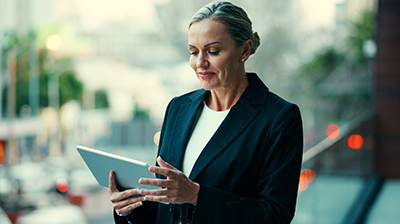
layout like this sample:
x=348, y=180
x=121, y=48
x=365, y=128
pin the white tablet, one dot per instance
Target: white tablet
x=127, y=171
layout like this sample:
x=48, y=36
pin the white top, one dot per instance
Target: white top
x=207, y=124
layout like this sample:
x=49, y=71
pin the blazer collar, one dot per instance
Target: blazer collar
x=256, y=92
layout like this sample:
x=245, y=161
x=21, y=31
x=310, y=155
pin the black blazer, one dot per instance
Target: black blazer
x=249, y=170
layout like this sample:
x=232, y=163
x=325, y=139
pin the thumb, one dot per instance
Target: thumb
x=164, y=164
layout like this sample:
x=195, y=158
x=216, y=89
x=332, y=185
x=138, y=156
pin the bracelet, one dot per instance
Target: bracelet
x=123, y=214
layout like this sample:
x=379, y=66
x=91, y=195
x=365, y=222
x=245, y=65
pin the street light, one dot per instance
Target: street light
x=54, y=42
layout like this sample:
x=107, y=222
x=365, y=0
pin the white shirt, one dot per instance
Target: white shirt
x=207, y=124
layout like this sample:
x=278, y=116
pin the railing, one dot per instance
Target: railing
x=334, y=173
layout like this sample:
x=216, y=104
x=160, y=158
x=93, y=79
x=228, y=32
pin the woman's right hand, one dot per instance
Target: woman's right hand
x=122, y=202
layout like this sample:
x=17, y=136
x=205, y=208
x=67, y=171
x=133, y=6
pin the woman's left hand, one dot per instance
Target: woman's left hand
x=177, y=188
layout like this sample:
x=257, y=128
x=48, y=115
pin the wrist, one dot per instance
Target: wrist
x=196, y=195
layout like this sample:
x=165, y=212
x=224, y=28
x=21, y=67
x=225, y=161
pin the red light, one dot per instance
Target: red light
x=332, y=131
x=77, y=199
x=306, y=177
x=62, y=185
x=355, y=141
x=2, y=152
x=303, y=184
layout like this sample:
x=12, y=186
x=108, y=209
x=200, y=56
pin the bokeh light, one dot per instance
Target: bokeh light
x=62, y=185
x=306, y=177
x=355, y=141
x=2, y=153
x=54, y=42
x=157, y=138
x=332, y=131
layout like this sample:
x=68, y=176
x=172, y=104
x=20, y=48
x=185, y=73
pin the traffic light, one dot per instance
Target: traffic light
x=2, y=151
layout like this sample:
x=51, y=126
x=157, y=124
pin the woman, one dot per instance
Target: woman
x=229, y=152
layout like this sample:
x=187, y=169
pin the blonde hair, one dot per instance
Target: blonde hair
x=235, y=19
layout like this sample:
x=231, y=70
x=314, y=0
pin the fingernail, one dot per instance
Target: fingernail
x=138, y=191
x=140, y=181
x=151, y=169
x=143, y=198
x=140, y=203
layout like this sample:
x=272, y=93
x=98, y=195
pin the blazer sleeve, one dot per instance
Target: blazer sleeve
x=277, y=184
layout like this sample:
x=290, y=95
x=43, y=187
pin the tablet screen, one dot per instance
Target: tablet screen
x=127, y=171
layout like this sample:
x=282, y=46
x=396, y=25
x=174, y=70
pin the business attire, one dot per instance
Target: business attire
x=248, y=171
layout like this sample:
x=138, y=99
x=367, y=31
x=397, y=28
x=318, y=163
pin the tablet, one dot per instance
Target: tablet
x=127, y=171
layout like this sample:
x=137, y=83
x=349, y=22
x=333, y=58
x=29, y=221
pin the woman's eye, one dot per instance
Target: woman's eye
x=213, y=52
x=193, y=53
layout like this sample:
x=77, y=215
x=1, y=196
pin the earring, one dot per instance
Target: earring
x=242, y=59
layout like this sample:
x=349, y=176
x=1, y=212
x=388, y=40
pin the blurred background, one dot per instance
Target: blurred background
x=100, y=74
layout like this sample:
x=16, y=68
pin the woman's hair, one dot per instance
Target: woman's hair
x=235, y=20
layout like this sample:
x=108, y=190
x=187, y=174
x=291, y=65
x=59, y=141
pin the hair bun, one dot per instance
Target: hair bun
x=256, y=42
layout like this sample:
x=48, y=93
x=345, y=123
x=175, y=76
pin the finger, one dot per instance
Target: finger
x=160, y=199
x=164, y=164
x=112, y=185
x=157, y=182
x=129, y=201
x=121, y=196
x=161, y=192
x=171, y=173
x=128, y=205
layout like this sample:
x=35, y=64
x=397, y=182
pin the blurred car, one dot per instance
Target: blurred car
x=31, y=177
x=58, y=214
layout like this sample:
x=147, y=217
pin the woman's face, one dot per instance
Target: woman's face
x=214, y=55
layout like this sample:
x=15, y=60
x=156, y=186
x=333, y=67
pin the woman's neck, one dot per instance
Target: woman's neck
x=225, y=98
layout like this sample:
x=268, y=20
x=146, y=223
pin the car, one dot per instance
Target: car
x=57, y=214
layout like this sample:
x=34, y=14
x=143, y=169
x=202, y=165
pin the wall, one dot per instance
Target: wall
x=387, y=90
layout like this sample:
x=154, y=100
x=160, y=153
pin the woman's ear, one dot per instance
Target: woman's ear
x=247, y=49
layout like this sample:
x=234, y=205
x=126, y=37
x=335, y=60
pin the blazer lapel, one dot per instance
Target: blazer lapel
x=236, y=121
x=183, y=128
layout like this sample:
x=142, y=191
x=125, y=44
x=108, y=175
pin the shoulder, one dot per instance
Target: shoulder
x=188, y=97
x=281, y=108
x=277, y=103
x=185, y=99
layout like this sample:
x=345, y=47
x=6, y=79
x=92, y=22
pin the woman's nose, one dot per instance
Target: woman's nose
x=201, y=61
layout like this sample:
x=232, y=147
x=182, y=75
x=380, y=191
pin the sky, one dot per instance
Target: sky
x=317, y=13
x=96, y=11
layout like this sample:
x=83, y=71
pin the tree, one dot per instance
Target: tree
x=69, y=86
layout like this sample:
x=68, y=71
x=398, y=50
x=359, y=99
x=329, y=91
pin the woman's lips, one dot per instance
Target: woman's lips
x=206, y=75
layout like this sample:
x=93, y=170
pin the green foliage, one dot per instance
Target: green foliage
x=101, y=99
x=322, y=65
x=360, y=31
x=69, y=86
x=140, y=112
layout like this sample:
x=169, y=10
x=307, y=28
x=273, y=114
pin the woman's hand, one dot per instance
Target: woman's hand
x=177, y=188
x=122, y=202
